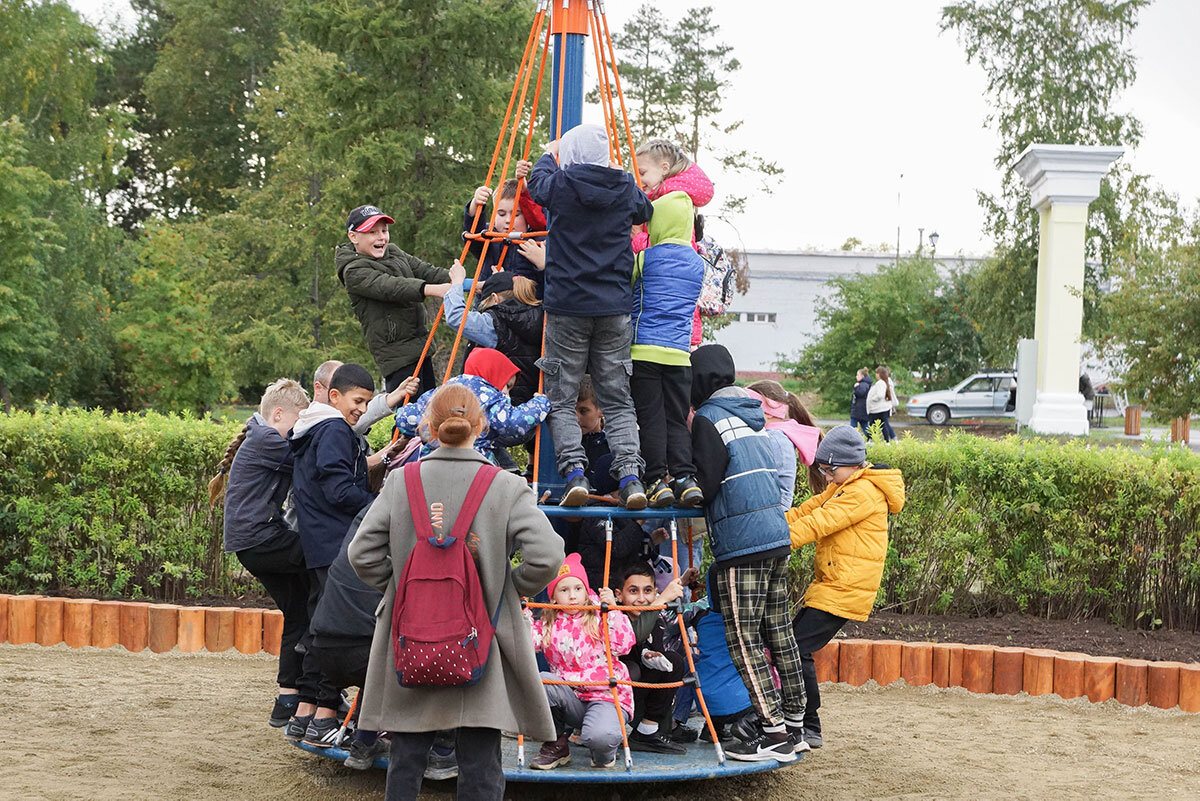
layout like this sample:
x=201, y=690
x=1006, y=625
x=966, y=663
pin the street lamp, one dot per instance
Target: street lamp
x=933, y=238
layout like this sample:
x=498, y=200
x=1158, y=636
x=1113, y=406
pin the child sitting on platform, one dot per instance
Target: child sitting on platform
x=573, y=645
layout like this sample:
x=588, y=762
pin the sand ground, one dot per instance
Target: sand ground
x=113, y=725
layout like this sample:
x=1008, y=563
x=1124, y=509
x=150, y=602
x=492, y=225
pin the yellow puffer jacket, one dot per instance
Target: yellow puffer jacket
x=849, y=524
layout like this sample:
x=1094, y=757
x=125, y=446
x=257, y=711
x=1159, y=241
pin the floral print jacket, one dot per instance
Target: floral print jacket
x=574, y=656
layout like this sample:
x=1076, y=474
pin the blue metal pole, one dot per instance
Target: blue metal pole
x=569, y=46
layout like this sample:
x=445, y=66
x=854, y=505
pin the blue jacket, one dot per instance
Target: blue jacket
x=666, y=285
x=589, y=258
x=259, y=481
x=858, y=406
x=744, y=517
x=330, y=481
x=507, y=424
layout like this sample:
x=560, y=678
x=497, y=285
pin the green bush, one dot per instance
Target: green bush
x=1029, y=525
x=112, y=505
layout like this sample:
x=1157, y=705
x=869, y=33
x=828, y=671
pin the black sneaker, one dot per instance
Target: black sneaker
x=659, y=495
x=688, y=494
x=657, y=743
x=683, y=734
x=575, y=493
x=362, y=757
x=633, y=494
x=282, y=712
x=440, y=767
x=296, y=727
x=802, y=742
x=763, y=746
x=322, y=732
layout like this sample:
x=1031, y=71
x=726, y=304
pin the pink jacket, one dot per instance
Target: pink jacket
x=574, y=656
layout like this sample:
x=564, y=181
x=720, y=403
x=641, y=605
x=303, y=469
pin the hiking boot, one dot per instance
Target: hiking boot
x=763, y=746
x=575, y=493
x=322, y=732
x=633, y=494
x=683, y=734
x=554, y=753
x=362, y=756
x=688, y=494
x=283, y=710
x=660, y=495
x=441, y=764
x=296, y=727
x=657, y=743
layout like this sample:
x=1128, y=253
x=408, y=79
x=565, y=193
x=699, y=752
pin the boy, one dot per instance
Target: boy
x=387, y=288
x=589, y=269
x=525, y=257
x=849, y=524
x=331, y=488
x=650, y=660
x=260, y=477
x=749, y=539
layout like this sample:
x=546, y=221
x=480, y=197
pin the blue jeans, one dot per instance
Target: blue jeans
x=600, y=346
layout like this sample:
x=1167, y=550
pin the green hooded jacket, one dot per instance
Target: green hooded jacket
x=388, y=296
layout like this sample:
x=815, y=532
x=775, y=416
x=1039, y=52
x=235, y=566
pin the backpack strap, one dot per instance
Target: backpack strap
x=476, y=492
x=416, y=502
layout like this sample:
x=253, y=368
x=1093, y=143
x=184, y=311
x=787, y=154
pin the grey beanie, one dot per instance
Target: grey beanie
x=843, y=446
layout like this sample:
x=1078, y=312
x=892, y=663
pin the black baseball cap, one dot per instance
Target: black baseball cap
x=497, y=282
x=363, y=219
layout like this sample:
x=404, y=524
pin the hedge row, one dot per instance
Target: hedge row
x=117, y=505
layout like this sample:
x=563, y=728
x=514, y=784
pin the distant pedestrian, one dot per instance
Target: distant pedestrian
x=858, y=402
x=880, y=402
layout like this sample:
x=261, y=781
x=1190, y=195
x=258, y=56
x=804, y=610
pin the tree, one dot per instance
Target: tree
x=645, y=75
x=1054, y=70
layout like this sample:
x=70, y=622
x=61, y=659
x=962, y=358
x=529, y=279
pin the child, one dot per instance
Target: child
x=259, y=480
x=748, y=536
x=387, y=288
x=509, y=319
x=881, y=400
x=849, y=524
x=650, y=660
x=858, y=400
x=331, y=488
x=574, y=648
x=793, y=433
x=666, y=285
x=525, y=257
x=589, y=269
x=489, y=374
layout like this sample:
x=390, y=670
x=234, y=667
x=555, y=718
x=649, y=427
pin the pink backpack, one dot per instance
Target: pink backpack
x=441, y=631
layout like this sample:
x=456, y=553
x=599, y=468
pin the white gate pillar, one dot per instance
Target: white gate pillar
x=1062, y=181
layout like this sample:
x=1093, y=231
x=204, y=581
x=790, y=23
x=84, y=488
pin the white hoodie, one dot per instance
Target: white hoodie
x=315, y=413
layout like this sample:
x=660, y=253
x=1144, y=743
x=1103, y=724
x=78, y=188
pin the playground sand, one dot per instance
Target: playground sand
x=108, y=724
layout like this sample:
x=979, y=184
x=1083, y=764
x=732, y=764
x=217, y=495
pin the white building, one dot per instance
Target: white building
x=777, y=315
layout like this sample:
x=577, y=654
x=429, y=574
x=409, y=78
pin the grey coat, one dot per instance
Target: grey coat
x=510, y=694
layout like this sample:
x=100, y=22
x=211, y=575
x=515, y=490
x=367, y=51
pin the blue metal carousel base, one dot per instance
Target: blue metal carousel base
x=700, y=762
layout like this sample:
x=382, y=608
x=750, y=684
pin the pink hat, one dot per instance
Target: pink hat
x=572, y=567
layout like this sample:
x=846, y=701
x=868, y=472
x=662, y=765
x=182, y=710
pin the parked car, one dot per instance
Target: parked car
x=985, y=394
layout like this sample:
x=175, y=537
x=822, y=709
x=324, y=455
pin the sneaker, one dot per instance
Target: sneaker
x=633, y=494
x=575, y=493
x=657, y=743
x=608, y=764
x=322, y=732
x=441, y=766
x=554, y=753
x=660, y=495
x=688, y=494
x=797, y=735
x=362, y=756
x=763, y=746
x=283, y=710
x=683, y=734
x=296, y=727
x=812, y=739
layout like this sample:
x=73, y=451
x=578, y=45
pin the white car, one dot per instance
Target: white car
x=984, y=394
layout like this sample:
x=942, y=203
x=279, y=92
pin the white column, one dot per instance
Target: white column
x=1062, y=181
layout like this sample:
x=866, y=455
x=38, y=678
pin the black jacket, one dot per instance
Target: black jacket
x=331, y=486
x=514, y=262
x=519, y=337
x=858, y=406
x=345, y=615
x=259, y=481
x=589, y=259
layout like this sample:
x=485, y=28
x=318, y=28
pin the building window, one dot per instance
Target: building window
x=757, y=317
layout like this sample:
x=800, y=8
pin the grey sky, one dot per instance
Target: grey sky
x=847, y=96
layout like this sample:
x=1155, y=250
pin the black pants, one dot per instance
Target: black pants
x=662, y=397
x=480, y=776
x=279, y=565
x=393, y=379
x=814, y=628
x=328, y=694
x=655, y=705
x=343, y=665
x=883, y=418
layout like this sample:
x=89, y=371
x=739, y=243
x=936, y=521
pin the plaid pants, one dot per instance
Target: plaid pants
x=754, y=601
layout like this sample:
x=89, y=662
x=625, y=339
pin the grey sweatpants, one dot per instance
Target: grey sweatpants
x=596, y=721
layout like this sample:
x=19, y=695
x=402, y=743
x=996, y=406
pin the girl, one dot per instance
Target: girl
x=793, y=433
x=880, y=402
x=666, y=285
x=574, y=648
